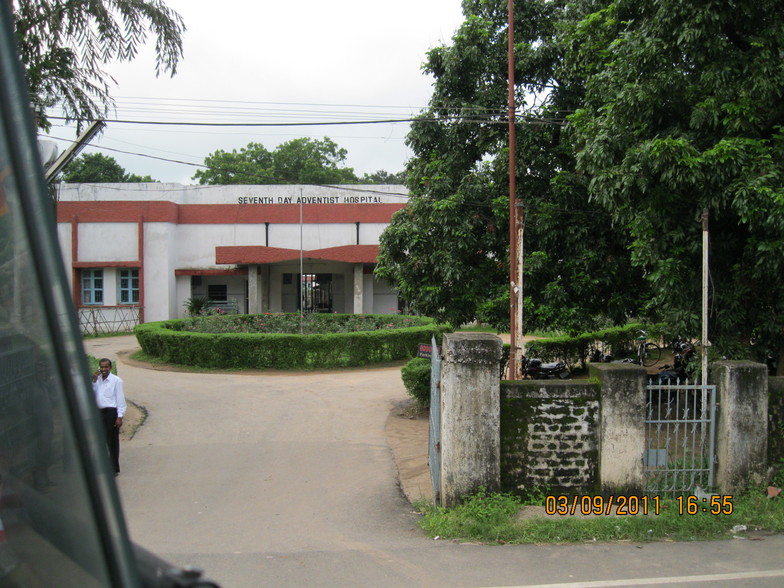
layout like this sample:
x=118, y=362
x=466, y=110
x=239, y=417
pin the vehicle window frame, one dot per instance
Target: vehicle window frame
x=36, y=213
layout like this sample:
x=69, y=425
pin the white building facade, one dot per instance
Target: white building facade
x=138, y=252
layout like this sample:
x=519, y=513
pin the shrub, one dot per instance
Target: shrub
x=416, y=379
x=574, y=350
x=228, y=344
x=196, y=305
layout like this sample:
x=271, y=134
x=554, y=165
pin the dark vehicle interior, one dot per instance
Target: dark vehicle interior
x=61, y=523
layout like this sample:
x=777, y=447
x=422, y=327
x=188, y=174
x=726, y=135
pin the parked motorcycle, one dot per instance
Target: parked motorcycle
x=536, y=370
x=598, y=356
x=683, y=353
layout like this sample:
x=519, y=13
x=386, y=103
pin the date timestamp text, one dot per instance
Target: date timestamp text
x=601, y=505
x=717, y=504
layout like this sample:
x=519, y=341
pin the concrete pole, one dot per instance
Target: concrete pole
x=470, y=415
x=358, y=279
x=254, y=292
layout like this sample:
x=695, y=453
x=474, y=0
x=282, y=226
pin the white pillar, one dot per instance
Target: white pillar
x=358, y=287
x=254, y=289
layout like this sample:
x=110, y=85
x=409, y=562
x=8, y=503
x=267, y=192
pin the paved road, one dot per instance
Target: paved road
x=287, y=480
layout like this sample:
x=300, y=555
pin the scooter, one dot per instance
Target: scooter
x=536, y=370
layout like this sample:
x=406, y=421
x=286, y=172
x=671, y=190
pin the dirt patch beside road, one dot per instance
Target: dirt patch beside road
x=135, y=416
x=406, y=431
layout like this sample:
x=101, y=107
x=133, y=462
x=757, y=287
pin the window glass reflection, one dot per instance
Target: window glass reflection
x=48, y=535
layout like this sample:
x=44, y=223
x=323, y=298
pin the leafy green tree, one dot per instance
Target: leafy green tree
x=65, y=45
x=98, y=168
x=299, y=161
x=249, y=165
x=384, y=177
x=682, y=112
x=448, y=251
x=312, y=161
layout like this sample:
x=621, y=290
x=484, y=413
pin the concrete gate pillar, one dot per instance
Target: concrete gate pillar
x=742, y=427
x=622, y=427
x=470, y=415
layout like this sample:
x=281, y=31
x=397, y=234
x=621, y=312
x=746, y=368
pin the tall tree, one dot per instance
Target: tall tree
x=384, y=177
x=65, y=45
x=249, y=165
x=683, y=111
x=312, y=161
x=98, y=168
x=448, y=251
x=299, y=161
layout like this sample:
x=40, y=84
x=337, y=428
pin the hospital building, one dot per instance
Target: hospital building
x=138, y=252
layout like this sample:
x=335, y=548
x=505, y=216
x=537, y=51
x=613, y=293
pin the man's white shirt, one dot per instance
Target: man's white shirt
x=109, y=393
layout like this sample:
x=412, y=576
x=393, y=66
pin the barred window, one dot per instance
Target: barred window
x=92, y=286
x=128, y=286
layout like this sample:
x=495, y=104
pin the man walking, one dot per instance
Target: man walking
x=109, y=395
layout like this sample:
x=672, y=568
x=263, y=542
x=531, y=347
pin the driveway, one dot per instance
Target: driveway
x=287, y=479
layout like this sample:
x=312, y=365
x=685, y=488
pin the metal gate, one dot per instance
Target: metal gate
x=680, y=429
x=434, y=447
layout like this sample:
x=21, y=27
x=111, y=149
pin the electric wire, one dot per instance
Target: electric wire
x=448, y=114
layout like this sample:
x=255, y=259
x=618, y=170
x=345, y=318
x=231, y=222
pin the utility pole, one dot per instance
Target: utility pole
x=705, y=281
x=514, y=287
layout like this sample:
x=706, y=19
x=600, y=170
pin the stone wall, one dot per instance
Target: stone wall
x=584, y=436
x=549, y=436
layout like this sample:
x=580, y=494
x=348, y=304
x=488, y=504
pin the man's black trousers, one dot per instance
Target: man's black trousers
x=109, y=417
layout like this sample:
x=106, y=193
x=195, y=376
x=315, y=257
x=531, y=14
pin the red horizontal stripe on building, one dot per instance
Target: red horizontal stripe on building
x=211, y=272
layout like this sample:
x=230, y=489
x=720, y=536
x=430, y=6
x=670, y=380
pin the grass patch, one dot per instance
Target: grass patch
x=493, y=519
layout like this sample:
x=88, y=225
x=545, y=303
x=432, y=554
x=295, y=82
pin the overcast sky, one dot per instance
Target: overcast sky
x=309, y=60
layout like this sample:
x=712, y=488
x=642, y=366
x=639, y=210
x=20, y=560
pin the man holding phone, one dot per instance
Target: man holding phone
x=110, y=397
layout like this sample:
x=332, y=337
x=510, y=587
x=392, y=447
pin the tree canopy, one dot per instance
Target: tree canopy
x=683, y=111
x=638, y=116
x=65, y=45
x=384, y=177
x=299, y=161
x=98, y=168
x=448, y=251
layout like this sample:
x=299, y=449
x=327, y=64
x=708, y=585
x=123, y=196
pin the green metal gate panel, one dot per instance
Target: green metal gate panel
x=680, y=430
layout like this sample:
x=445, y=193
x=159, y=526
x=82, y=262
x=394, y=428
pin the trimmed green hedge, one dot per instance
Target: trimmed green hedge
x=574, y=350
x=166, y=341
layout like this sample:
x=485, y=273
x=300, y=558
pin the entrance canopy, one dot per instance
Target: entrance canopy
x=259, y=254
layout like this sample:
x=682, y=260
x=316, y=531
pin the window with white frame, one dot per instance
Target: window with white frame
x=92, y=286
x=128, y=286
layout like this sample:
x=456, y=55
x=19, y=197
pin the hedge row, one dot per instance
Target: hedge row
x=574, y=350
x=167, y=342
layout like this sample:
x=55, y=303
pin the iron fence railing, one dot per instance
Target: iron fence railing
x=102, y=320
